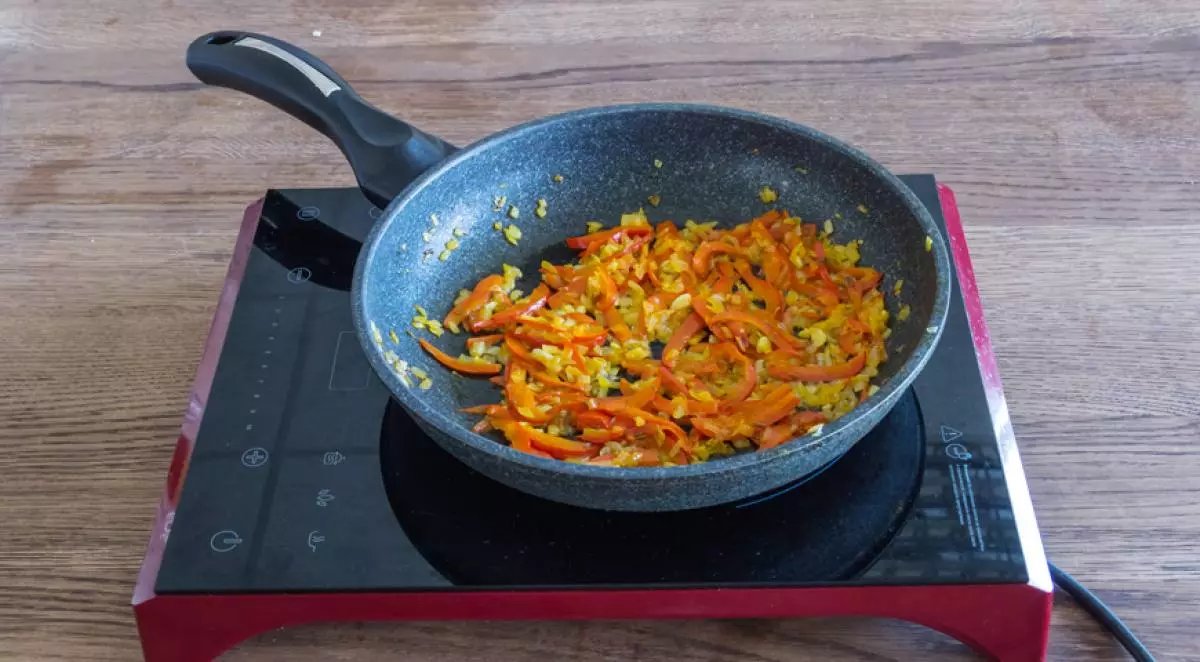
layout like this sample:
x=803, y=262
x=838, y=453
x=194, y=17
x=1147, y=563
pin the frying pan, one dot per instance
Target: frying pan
x=714, y=161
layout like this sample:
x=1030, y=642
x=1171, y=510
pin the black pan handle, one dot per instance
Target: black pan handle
x=385, y=153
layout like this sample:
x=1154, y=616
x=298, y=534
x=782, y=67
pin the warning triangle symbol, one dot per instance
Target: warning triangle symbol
x=949, y=434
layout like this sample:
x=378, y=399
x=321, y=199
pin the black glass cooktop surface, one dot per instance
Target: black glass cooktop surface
x=305, y=476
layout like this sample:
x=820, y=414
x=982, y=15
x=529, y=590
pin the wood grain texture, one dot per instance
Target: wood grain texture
x=1070, y=130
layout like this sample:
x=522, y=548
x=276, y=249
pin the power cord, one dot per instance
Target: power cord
x=1099, y=611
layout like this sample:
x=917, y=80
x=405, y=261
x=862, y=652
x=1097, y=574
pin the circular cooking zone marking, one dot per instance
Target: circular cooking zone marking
x=829, y=526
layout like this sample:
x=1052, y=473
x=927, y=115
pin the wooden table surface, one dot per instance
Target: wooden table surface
x=1070, y=130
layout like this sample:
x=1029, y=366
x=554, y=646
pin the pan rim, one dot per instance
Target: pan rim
x=840, y=432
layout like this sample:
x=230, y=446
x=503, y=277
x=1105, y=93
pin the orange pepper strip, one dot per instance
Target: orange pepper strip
x=635, y=398
x=700, y=261
x=647, y=457
x=522, y=401
x=775, y=435
x=529, y=337
x=856, y=272
x=608, y=236
x=537, y=323
x=555, y=445
x=690, y=327
x=596, y=436
x=745, y=387
x=818, y=373
x=537, y=298
x=723, y=427
x=514, y=347
x=594, y=419
x=572, y=289
x=867, y=282
x=551, y=276
x=483, y=409
x=478, y=297
x=766, y=326
x=641, y=367
x=827, y=297
x=672, y=383
x=771, y=407
x=724, y=285
x=518, y=440
x=776, y=266
x=486, y=340
x=617, y=325
x=779, y=433
x=577, y=354
x=459, y=365
x=621, y=409
x=852, y=332
x=770, y=218
x=550, y=380
x=761, y=288
x=607, y=297
x=628, y=250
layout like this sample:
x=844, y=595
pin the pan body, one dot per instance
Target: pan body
x=700, y=163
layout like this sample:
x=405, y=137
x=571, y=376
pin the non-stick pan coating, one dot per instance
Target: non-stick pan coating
x=714, y=163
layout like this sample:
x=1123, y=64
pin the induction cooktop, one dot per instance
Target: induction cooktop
x=299, y=491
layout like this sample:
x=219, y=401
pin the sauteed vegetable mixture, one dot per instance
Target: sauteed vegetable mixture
x=665, y=345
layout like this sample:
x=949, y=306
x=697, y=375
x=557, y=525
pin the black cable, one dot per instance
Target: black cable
x=1099, y=611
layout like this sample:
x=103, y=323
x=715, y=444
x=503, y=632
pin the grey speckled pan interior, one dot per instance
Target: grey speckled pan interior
x=714, y=161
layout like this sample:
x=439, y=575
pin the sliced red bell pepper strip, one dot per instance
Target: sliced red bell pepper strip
x=647, y=457
x=486, y=340
x=607, y=297
x=852, y=332
x=723, y=427
x=522, y=401
x=597, y=436
x=771, y=407
x=515, y=348
x=483, y=409
x=550, y=380
x=555, y=445
x=673, y=384
x=749, y=380
x=609, y=236
x=769, y=218
x=477, y=298
x=818, y=373
x=867, y=281
x=827, y=297
x=518, y=440
x=466, y=367
x=797, y=423
x=621, y=409
x=594, y=419
x=633, y=398
x=768, y=327
x=700, y=260
x=617, y=325
x=536, y=300
x=577, y=355
x=761, y=288
x=692, y=325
